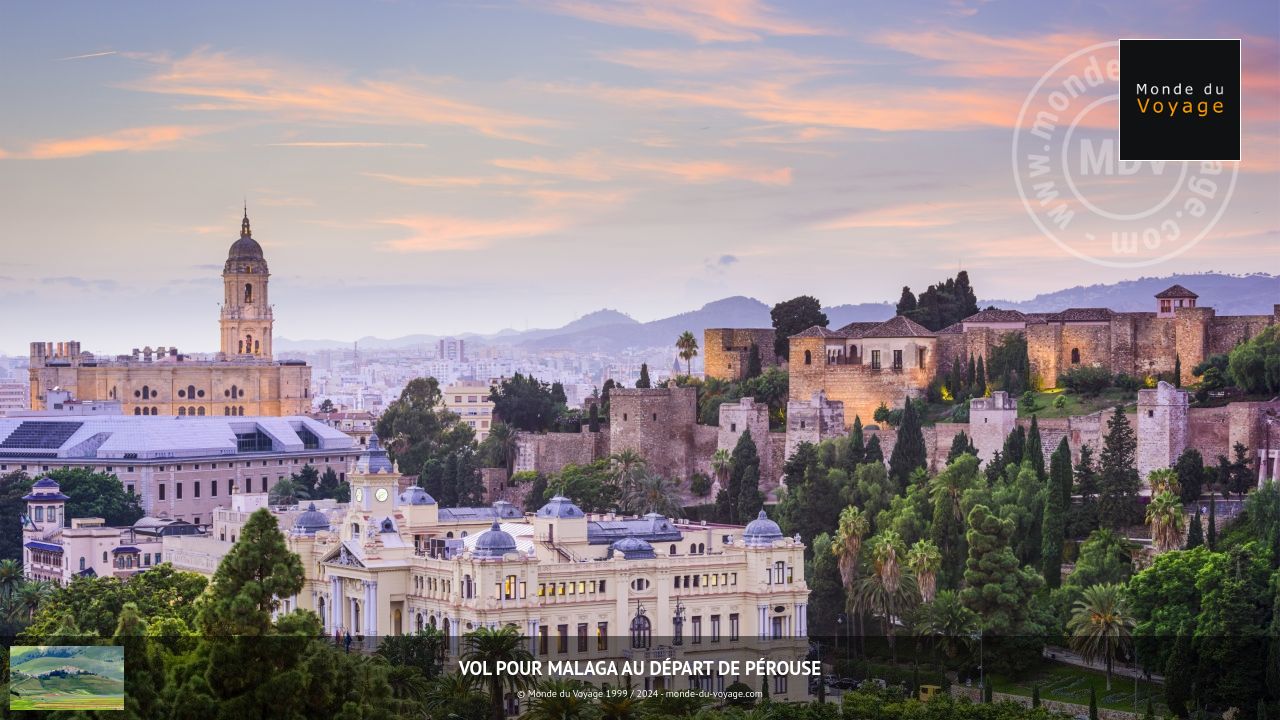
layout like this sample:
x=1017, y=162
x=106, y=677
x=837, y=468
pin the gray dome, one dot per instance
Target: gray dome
x=762, y=531
x=246, y=248
x=374, y=459
x=494, y=543
x=633, y=548
x=311, y=521
x=416, y=496
x=560, y=507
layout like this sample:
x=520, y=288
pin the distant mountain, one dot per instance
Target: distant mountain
x=611, y=331
x=1228, y=294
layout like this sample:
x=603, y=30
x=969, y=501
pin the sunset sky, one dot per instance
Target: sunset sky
x=453, y=167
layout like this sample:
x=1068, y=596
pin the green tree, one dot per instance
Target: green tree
x=687, y=344
x=1195, y=532
x=491, y=646
x=960, y=444
x=1009, y=366
x=1254, y=365
x=96, y=494
x=1211, y=537
x=326, y=406
x=1190, y=469
x=1118, y=481
x=1100, y=626
x=644, y=381
x=1034, y=452
x=1015, y=446
x=906, y=302
x=947, y=490
x=751, y=501
x=909, y=452
x=417, y=428
x=1105, y=557
x=874, y=454
x=999, y=590
x=525, y=403
x=287, y=492
x=1055, y=515
x=942, y=303
x=743, y=458
x=793, y=316
x=1167, y=521
x=924, y=559
x=593, y=423
x=847, y=543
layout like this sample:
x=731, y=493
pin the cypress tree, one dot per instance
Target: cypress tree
x=980, y=378
x=752, y=500
x=643, y=382
x=1034, y=450
x=1211, y=537
x=1015, y=447
x=1093, y=704
x=971, y=374
x=956, y=382
x=994, y=469
x=1195, y=533
x=1118, y=481
x=593, y=418
x=909, y=451
x=874, y=453
x=960, y=445
x=1035, y=695
x=754, y=365
x=1055, y=515
x=1177, y=371
x=857, y=447
x=744, y=456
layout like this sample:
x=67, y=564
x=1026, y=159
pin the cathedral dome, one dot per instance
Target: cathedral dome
x=761, y=532
x=246, y=248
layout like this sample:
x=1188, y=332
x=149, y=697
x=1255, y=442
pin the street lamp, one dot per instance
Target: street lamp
x=840, y=626
x=678, y=623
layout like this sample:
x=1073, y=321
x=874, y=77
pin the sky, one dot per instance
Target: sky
x=450, y=167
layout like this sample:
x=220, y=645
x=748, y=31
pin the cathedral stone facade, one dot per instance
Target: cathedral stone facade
x=241, y=379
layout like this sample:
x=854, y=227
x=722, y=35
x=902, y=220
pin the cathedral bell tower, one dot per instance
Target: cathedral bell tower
x=246, y=310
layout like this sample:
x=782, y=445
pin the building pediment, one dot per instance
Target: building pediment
x=345, y=556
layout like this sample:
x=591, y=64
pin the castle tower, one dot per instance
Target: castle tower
x=991, y=419
x=1162, y=428
x=45, y=505
x=246, y=310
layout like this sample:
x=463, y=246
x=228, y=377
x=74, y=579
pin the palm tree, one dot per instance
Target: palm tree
x=1164, y=479
x=688, y=346
x=626, y=465
x=1167, y=520
x=29, y=597
x=888, y=591
x=1100, y=625
x=10, y=577
x=848, y=542
x=491, y=646
x=721, y=463
x=924, y=559
x=652, y=493
x=886, y=554
x=618, y=708
x=449, y=691
x=504, y=439
x=948, y=621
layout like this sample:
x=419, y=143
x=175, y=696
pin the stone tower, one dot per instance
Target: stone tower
x=991, y=419
x=246, y=309
x=1162, y=428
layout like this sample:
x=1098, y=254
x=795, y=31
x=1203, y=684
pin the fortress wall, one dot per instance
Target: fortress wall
x=725, y=351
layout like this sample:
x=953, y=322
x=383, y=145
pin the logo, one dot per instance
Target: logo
x=1180, y=99
x=1091, y=203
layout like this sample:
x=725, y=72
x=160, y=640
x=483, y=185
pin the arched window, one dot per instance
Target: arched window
x=200, y=411
x=104, y=556
x=137, y=411
x=641, y=632
x=248, y=342
x=191, y=391
x=248, y=292
x=191, y=411
x=808, y=358
x=1075, y=356
x=82, y=563
x=673, y=550
x=257, y=347
x=702, y=548
x=146, y=392
x=182, y=411
x=240, y=348
x=419, y=623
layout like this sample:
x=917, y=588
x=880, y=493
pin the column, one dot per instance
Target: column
x=762, y=620
x=453, y=635
x=1263, y=463
x=335, y=604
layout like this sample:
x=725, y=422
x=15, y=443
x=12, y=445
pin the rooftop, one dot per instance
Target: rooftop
x=142, y=437
x=1175, y=291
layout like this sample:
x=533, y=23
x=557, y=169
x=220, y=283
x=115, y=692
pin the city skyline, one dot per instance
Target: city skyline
x=429, y=167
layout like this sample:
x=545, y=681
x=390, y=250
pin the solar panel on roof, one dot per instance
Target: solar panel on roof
x=41, y=435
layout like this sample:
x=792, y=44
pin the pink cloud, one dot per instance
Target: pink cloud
x=140, y=139
x=454, y=181
x=594, y=166
x=440, y=233
x=703, y=20
x=301, y=94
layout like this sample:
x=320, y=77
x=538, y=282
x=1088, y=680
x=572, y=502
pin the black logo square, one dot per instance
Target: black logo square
x=1179, y=99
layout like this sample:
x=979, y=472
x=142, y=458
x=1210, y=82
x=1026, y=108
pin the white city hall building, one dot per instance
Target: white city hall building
x=580, y=587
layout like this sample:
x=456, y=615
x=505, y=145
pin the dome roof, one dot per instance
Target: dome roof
x=494, y=543
x=560, y=507
x=762, y=531
x=46, y=482
x=246, y=248
x=416, y=496
x=633, y=548
x=311, y=521
x=374, y=459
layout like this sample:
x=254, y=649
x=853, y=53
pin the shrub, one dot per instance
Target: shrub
x=1128, y=382
x=1060, y=402
x=1087, y=380
x=700, y=485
